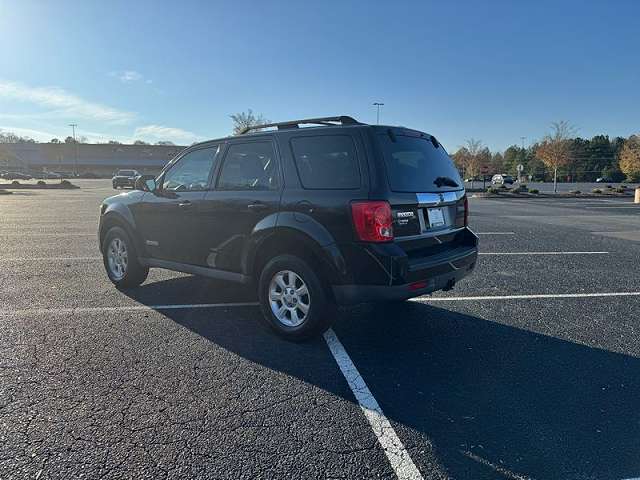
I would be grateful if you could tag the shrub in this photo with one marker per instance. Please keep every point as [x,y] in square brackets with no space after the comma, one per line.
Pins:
[575,192]
[596,190]
[41,183]
[514,190]
[609,186]
[620,190]
[65,182]
[493,190]
[15,182]
[535,191]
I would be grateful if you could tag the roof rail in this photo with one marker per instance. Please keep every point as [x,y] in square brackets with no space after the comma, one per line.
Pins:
[328,121]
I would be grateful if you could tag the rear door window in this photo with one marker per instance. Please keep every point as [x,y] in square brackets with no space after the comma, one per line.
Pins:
[416,164]
[326,162]
[249,166]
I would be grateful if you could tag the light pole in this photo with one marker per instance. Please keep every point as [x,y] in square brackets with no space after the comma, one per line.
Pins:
[378,105]
[74,125]
[523,156]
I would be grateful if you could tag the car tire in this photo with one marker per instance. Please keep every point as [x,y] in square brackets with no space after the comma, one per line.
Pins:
[287,309]
[121,259]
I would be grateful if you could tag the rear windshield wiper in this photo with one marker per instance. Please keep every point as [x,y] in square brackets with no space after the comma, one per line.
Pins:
[445,182]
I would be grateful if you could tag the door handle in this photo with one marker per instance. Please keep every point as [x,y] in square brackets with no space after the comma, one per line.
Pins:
[185,204]
[257,206]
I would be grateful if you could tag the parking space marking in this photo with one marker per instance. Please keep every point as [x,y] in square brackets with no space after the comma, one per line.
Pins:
[123,308]
[395,451]
[613,206]
[542,253]
[495,233]
[39,234]
[525,297]
[48,259]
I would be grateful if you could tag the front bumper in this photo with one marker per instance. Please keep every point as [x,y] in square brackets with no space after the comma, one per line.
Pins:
[440,274]
[124,182]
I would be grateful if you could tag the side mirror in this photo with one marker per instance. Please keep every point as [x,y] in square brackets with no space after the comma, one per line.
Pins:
[146,183]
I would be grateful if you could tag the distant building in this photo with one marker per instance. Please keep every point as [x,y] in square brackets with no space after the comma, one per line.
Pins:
[99,159]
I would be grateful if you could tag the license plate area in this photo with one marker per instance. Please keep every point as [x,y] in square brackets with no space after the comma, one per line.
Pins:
[435,217]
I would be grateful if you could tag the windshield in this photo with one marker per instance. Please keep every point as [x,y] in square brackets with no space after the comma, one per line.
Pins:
[416,164]
[127,173]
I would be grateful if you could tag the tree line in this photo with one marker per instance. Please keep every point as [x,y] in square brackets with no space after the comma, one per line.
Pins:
[10,137]
[560,156]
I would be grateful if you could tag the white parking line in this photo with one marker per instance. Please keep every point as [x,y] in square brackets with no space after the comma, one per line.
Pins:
[614,206]
[495,233]
[395,451]
[543,253]
[123,308]
[525,297]
[38,234]
[48,259]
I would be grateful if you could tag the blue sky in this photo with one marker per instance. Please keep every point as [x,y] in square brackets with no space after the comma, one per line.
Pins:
[156,70]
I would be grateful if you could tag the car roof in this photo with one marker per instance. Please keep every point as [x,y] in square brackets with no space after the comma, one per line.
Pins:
[326,123]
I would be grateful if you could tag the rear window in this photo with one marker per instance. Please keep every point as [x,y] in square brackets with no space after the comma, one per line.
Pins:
[326,162]
[415,164]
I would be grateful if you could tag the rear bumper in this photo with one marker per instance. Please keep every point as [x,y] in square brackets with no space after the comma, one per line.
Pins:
[430,274]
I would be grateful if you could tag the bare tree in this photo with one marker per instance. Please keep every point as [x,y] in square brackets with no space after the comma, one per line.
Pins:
[629,158]
[555,148]
[246,119]
[475,158]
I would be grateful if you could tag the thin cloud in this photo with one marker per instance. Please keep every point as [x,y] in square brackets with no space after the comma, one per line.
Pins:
[130,76]
[160,132]
[65,103]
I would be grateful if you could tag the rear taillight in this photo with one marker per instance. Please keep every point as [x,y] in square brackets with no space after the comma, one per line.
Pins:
[372,221]
[462,212]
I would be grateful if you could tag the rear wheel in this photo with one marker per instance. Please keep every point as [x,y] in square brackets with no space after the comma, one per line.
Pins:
[121,260]
[293,299]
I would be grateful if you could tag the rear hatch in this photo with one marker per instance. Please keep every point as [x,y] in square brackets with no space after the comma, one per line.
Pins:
[427,194]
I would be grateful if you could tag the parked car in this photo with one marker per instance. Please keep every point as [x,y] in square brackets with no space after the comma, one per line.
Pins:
[502,179]
[124,178]
[46,175]
[312,217]
[64,174]
[16,176]
[603,180]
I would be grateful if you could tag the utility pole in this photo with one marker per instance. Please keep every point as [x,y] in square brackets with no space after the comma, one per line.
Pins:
[74,125]
[378,105]
[523,157]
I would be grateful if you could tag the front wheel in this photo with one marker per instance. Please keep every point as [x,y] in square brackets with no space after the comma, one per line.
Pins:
[121,260]
[293,299]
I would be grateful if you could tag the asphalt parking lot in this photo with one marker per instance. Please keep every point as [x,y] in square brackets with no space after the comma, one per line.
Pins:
[529,369]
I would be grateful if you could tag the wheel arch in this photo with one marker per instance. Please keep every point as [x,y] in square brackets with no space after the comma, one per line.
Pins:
[114,217]
[293,241]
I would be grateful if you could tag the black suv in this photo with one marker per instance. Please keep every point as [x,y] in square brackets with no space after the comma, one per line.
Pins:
[338,213]
[124,178]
